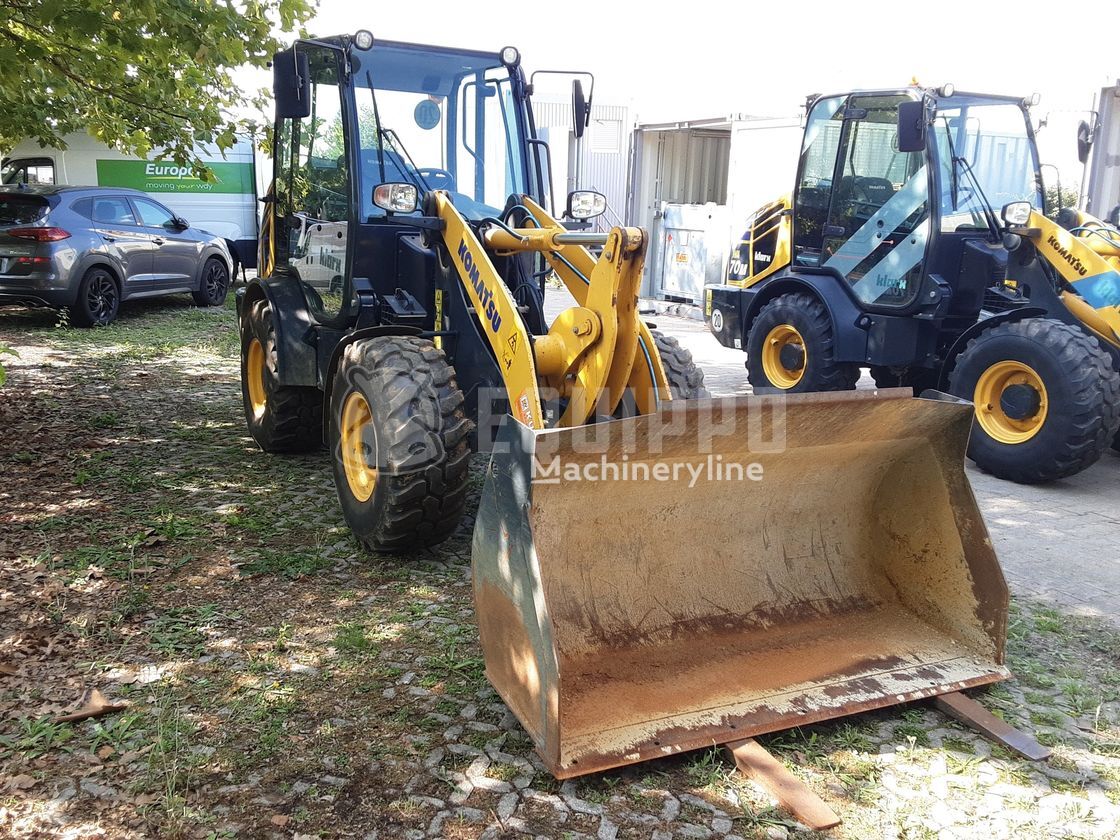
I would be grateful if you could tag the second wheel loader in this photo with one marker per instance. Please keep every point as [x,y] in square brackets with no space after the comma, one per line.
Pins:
[628,605]
[914,244]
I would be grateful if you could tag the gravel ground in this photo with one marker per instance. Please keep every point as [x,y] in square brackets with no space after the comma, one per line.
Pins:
[279,683]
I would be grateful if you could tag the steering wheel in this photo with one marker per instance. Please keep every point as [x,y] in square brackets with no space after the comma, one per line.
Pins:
[435,176]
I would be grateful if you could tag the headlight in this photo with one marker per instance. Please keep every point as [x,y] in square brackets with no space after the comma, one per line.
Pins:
[1017,213]
[396,198]
[586,204]
[363,39]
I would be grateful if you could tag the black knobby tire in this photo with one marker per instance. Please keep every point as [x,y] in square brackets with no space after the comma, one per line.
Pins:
[417,438]
[686,378]
[214,286]
[98,301]
[809,317]
[1083,398]
[291,417]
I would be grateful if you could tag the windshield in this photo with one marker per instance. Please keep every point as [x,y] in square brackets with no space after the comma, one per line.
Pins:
[993,139]
[439,119]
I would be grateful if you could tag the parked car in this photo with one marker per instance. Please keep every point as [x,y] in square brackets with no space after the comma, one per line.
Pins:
[90,248]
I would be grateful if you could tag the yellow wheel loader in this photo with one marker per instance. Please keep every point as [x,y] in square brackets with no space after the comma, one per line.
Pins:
[629,606]
[892,253]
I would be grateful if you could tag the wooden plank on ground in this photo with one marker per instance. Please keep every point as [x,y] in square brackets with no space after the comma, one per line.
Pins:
[960,707]
[754,761]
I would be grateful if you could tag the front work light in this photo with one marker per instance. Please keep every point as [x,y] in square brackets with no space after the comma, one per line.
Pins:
[363,39]
[396,198]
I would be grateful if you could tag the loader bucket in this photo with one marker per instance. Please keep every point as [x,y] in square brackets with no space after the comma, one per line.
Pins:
[636,612]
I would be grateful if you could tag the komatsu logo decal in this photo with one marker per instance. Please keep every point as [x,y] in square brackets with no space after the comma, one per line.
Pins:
[487,307]
[1066,255]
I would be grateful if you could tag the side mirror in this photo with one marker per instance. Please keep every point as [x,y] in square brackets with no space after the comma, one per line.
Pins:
[179,223]
[291,85]
[1017,213]
[581,108]
[586,204]
[1084,141]
[912,126]
[396,198]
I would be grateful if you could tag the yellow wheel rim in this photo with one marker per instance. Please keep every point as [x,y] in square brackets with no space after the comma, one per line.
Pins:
[990,410]
[254,376]
[777,373]
[357,435]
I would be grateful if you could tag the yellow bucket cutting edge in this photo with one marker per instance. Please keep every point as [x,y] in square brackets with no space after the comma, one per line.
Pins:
[638,596]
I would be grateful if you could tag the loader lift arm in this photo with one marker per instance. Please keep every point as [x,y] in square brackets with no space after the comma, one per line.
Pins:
[588,357]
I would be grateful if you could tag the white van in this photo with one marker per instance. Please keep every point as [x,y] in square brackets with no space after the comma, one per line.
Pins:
[226,208]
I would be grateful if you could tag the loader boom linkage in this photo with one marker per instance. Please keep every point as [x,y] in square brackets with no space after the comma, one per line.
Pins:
[587,358]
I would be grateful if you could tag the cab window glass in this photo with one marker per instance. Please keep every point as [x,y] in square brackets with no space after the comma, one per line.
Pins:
[112,210]
[151,214]
[27,171]
[814,188]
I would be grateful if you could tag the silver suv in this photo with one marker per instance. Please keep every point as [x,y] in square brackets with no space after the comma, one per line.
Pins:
[90,248]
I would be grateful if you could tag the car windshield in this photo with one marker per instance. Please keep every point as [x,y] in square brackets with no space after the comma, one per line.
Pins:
[992,138]
[439,119]
[21,209]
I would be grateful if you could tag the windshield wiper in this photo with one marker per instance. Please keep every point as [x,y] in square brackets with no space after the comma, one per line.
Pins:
[418,180]
[989,212]
[985,205]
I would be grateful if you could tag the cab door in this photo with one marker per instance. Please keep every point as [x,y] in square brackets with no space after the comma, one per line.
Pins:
[312,189]
[878,221]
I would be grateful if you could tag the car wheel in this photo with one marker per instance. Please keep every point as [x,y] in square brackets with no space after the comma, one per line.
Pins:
[215,284]
[98,301]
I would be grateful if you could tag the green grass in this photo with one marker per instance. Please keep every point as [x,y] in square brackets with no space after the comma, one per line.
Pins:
[35,737]
[286,563]
[352,638]
[178,631]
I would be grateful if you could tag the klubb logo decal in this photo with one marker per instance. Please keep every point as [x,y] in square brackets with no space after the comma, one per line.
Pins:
[168,177]
[485,296]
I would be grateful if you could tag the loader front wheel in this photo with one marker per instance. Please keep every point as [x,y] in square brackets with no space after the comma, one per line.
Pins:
[281,418]
[686,379]
[1047,399]
[791,347]
[399,443]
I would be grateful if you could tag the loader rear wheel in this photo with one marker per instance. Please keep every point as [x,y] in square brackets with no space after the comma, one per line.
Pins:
[791,348]
[399,441]
[686,378]
[281,418]
[1047,399]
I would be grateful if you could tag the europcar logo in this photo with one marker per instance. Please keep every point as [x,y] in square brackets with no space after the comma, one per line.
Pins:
[169,170]
[485,296]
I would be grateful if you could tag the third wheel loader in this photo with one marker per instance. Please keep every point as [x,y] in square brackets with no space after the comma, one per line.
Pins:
[914,243]
[628,605]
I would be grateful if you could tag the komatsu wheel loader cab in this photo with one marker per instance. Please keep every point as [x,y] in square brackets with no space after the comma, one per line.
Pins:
[891,254]
[628,605]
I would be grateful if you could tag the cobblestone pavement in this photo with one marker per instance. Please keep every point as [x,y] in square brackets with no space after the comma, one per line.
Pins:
[283,684]
[1059,543]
